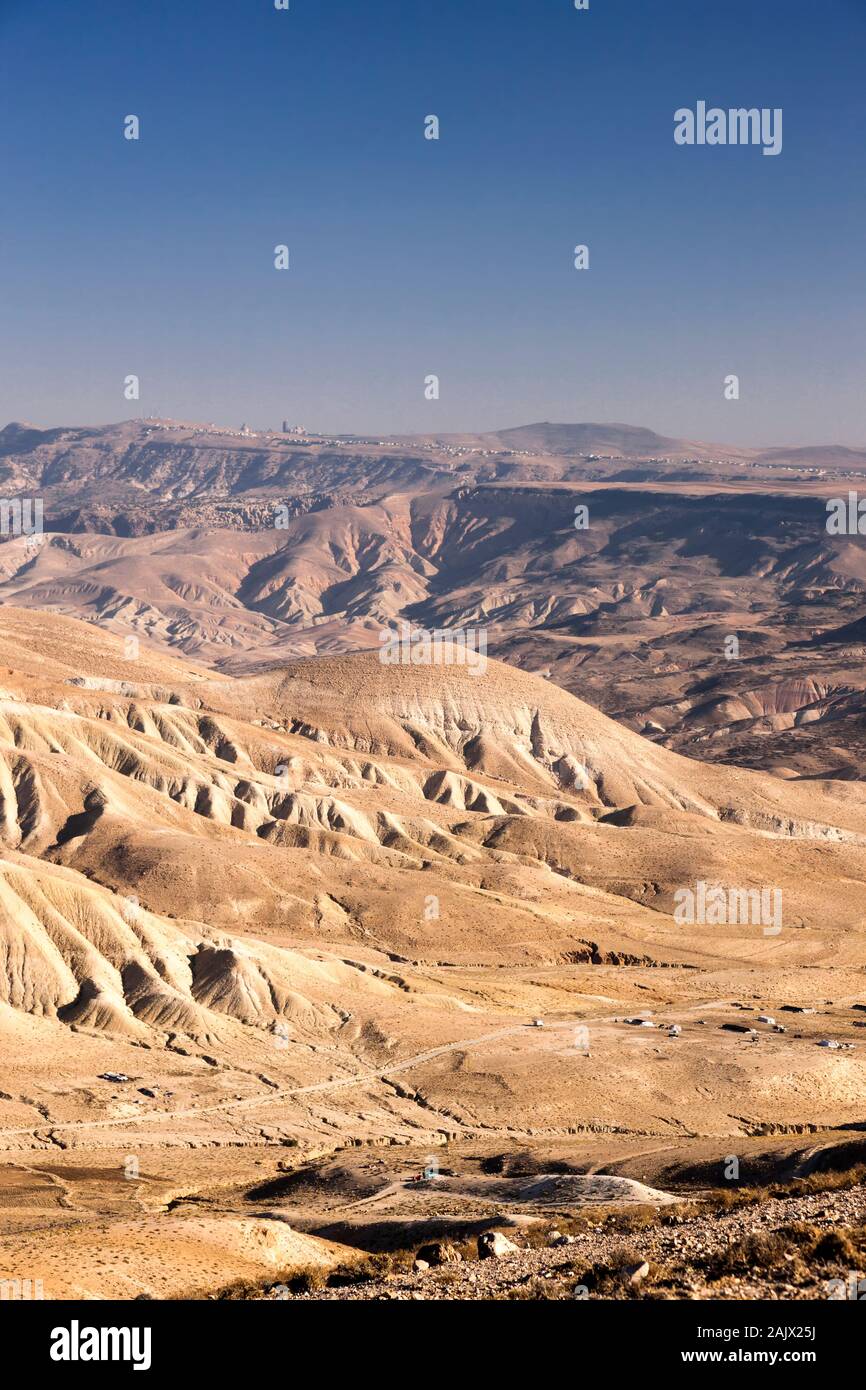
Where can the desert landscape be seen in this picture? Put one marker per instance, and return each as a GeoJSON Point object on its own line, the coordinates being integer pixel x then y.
{"type": "Point", "coordinates": [527, 968]}
{"type": "Point", "coordinates": [432, 682]}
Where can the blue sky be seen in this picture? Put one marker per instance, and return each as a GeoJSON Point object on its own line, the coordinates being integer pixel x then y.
{"type": "Point", "coordinates": [410, 256]}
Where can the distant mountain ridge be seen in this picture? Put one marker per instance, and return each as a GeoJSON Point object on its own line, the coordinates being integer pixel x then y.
{"type": "Point", "coordinates": [624, 441]}
{"type": "Point", "coordinates": [219, 459]}
{"type": "Point", "coordinates": [239, 548]}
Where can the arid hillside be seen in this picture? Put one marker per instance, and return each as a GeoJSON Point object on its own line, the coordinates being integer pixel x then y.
{"type": "Point", "coordinates": [266, 897]}
{"type": "Point", "coordinates": [322, 904]}
{"type": "Point", "coordinates": [691, 591]}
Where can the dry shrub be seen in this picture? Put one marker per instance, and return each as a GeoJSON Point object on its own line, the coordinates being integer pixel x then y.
{"type": "Point", "coordinates": [761, 1250]}
{"type": "Point", "coordinates": [836, 1247]}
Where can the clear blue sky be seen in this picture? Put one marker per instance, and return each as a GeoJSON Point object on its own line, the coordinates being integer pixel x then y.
{"type": "Point", "coordinates": [412, 257]}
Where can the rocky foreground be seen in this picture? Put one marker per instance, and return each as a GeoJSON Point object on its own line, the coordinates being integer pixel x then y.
{"type": "Point", "coordinates": [806, 1247]}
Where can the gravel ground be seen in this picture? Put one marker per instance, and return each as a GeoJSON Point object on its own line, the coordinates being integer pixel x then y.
{"type": "Point", "coordinates": [676, 1253]}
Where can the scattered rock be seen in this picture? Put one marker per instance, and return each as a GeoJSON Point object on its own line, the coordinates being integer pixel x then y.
{"type": "Point", "coordinates": [441, 1252]}
{"type": "Point", "coordinates": [492, 1245]}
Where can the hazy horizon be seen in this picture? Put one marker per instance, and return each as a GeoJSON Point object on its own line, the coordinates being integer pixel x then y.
{"type": "Point", "coordinates": [311, 428]}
